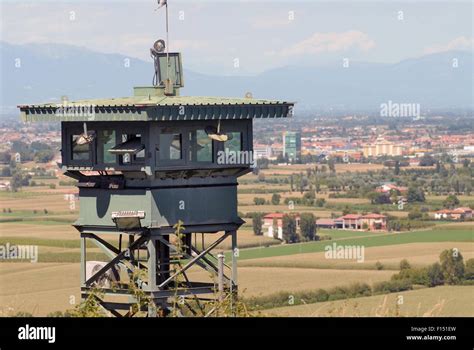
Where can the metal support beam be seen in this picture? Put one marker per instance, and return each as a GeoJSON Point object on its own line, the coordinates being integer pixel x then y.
{"type": "Point", "coordinates": [235, 255]}
{"type": "Point", "coordinates": [114, 261]}
{"type": "Point", "coordinates": [161, 281]}
{"type": "Point", "coordinates": [194, 260]}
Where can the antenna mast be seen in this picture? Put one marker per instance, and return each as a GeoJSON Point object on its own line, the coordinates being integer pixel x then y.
{"type": "Point", "coordinates": [159, 47]}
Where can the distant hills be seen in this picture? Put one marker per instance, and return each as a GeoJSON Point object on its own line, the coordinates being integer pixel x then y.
{"type": "Point", "coordinates": [48, 71]}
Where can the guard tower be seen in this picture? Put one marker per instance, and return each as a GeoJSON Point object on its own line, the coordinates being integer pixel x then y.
{"type": "Point", "coordinates": [146, 163]}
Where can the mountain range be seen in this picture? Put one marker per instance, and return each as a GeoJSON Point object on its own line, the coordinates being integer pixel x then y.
{"type": "Point", "coordinates": [40, 73]}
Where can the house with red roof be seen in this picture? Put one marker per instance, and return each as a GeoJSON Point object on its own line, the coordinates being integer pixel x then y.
{"type": "Point", "coordinates": [460, 213]}
{"type": "Point", "coordinates": [371, 222]}
{"type": "Point", "coordinates": [389, 187]}
{"type": "Point", "coordinates": [273, 225]}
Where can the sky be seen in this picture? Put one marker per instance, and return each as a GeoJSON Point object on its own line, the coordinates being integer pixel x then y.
{"type": "Point", "coordinates": [248, 37]}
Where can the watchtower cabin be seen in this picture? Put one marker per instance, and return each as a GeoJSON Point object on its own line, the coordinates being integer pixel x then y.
{"type": "Point", "coordinates": [145, 163]}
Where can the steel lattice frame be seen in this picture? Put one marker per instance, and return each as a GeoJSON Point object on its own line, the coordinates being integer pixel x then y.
{"type": "Point", "coordinates": [160, 284]}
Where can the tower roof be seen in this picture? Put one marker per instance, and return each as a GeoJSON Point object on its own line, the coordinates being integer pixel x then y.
{"type": "Point", "coordinates": [157, 108]}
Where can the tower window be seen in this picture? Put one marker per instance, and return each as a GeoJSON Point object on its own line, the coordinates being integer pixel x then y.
{"type": "Point", "coordinates": [200, 149]}
{"type": "Point", "coordinates": [81, 150]}
{"type": "Point", "coordinates": [170, 146]}
{"type": "Point", "coordinates": [106, 142]}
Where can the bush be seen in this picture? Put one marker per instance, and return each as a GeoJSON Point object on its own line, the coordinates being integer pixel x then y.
{"type": "Point", "coordinates": [413, 276]}
{"type": "Point", "coordinates": [435, 275]}
{"type": "Point", "coordinates": [22, 314]}
{"type": "Point", "coordinates": [276, 199]}
{"type": "Point", "coordinates": [379, 265]}
{"type": "Point", "coordinates": [323, 238]}
{"type": "Point", "coordinates": [415, 214]}
{"type": "Point", "coordinates": [469, 270]}
{"type": "Point", "coordinates": [404, 264]}
{"type": "Point", "coordinates": [259, 201]}
{"type": "Point", "coordinates": [391, 286]}
{"type": "Point", "coordinates": [320, 202]}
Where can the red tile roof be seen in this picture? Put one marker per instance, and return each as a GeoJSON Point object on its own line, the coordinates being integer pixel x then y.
{"type": "Point", "coordinates": [374, 216]}
{"type": "Point", "coordinates": [274, 216]}
{"type": "Point", "coordinates": [351, 217]}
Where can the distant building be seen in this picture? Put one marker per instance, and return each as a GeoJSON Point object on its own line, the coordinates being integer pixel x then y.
{"type": "Point", "coordinates": [386, 188]}
{"type": "Point", "coordinates": [454, 214]}
{"type": "Point", "coordinates": [5, 186]}
{"type": "Point", "coordinates": [274, 221]}
{"type": "Point", "coordinates": [292, 145]}
{"type": "Point", "coordinates": [326, 223]}
{"type": "Point", "coordinates": [262, 151]}
{"type": "Point", "coordinates": [372, 222]}
{"type": "Point", "coordinates": [382, 147]}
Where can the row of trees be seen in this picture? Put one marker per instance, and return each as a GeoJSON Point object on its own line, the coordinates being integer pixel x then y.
{"type": "Point", "coordinates": [37, 151]}
{"type": "Point", "coordinates": [449, 270]}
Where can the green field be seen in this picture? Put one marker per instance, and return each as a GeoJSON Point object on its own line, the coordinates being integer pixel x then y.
{"type": "Point", "coordinates": [438, 234]}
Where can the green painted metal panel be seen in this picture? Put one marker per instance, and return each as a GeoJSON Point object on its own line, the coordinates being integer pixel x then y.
{"type": "Point", "coordinates": [163, 207]}
{"type": "Point", "coordinates": [152, 107]}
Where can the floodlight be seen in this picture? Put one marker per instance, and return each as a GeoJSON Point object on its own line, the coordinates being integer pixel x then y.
{"type": "Point", "coordinates": [86, 137]}
{"type": "Point", "coordinates": [159, 46]}
{"type": "Point", "coordinates": [214, 133]}
{"type": "Point", "coordinates": [128, 220]}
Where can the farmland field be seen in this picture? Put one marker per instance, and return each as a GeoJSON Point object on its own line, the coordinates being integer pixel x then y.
{"type": "Point", "coordinates": [41, 216]}
{"type": "Point", "coordinates": [442, 301]}
{"type": "Point", "coordinates": [437, 234]}
{"type": "Point", "coordinates": [418, 255]}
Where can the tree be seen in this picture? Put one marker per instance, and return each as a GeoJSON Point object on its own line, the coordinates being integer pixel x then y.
{"type": "Point", "coordinates": [332, 166]}
{"type": "Point", "coordinates": [452, 266]}
{"type": "Point", "coordinates": [394, 194]}
{"type": "Point", "coordinates": [427, 160]}
{"type": "Point", "coordinates": [308, 226]}
{"type": "Point", "coordinates": [5, 157]}
{"type": "Point", "coordinates": [415, 214]}
{"type": "Point", "coordinates": [404, 264]}
{"type": "Point", "coordinates": [259, 201]}
{"type": "Point", "coordinates": [320, 202]}
{"type": "Point", "coordinates": [257, 223]}
{"type": "Point", "coordinates": [263, 163]}
{"type": "Point", "coordinates": [379, 198]}
{"type": "Point", "coordinates": [276, 199]}
{"type": "Point", "coordinates": [396, 170]}
{"type": "Point", "coordinates": [275, 228]}
{"type": "Point", "coordinates": [469, 270]}
{"type": "Point", "coordinates": [451, 201]}
{"type": "Point", "coordinates": [434, 275]}
{"type": "Point", "coordinates": [15, 183]}
{"type": "Point", "coordinates": [309, 198]}
{"type": "Point", "coordinates": [44, 156]}
{"type": "Point", "coordinates": [415, 195]}
{"type": "Point", "coordinates": [346, 210]}
{"type": "Point", "coordinates": [289, 229]}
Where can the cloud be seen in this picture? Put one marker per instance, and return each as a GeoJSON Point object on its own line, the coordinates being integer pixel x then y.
{"type": "Point", "coordinates": [330, 42]}
{"type": "Point", "coordinates": [459, 43]}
